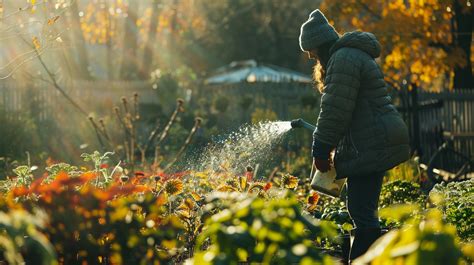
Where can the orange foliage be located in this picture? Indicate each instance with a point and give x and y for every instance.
(416, 35)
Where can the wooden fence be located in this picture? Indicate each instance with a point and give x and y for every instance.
(431, 116)
(15, 97)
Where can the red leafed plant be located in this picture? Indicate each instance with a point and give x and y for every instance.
(120, 224)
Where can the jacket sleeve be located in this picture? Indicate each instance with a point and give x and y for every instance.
(338, 101)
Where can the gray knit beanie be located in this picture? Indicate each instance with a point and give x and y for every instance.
(316, 31)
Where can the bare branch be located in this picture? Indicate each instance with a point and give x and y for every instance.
(197, 124)
(173, 117)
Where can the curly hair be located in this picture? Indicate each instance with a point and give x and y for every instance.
(319, 69)
(319, 73)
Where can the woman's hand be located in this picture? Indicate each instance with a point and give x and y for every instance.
(322, 165)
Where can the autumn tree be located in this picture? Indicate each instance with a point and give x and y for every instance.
(129, 65)
(148, 53)
(264, 30)
(423, 41)
(79, 42)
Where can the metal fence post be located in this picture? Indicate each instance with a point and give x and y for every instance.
(416, 120)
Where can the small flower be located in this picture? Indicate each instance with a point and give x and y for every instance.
(174, 186)
(288, 181)
(139, 174)
(267, 186)
(124, 178)
(313, 198)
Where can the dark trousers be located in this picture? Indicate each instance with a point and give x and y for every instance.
(363, 199)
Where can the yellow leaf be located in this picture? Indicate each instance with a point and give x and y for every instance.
(195, 196)
(187, 205)
(201, 174)
(190, 203)
(243, 183)
(52, 20)
(183, 214)
(36, 43)
(312, 207)
(226, 188)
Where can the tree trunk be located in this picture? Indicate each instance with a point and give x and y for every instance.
(150, 44)
(80, 43)
(129, 69)
(462, 39)
(172, 34)
(108, 42)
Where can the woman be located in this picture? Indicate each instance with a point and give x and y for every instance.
(357, 119)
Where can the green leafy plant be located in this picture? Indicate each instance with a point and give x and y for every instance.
(21, 239)
(456, 200)
(420, 241)
(407, 171)
(335, 210)
(99, 160)
(399, 192)
(24, 175)
(56, 168)
(242, 228)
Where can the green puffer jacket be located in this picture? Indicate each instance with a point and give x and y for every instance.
(357, 116)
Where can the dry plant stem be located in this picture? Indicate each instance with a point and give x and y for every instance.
(132, 148)
(128, 129)
(127, 153)
(197, 124)
(103, 129)
(130, 125)
(125, 105)
(100, 131)
(125, 129)
(134, 142)
(142, 153)
(171, 121)
(121, 120)
(97, 133)
(155, 159)
(135, 106)
(152, 136)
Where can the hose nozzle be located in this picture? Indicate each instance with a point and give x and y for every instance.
(300, 123)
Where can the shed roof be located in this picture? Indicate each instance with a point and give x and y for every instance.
(249, 71)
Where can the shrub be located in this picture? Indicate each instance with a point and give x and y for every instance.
(425, 241)
(263, 115)
(120, 223)
(400, 192)
(240, 228)
(21, 240)
(456, 200)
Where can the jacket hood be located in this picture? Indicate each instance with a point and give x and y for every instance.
(364, 41)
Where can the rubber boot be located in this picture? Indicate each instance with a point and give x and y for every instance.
(345, 240)
(363, 239)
